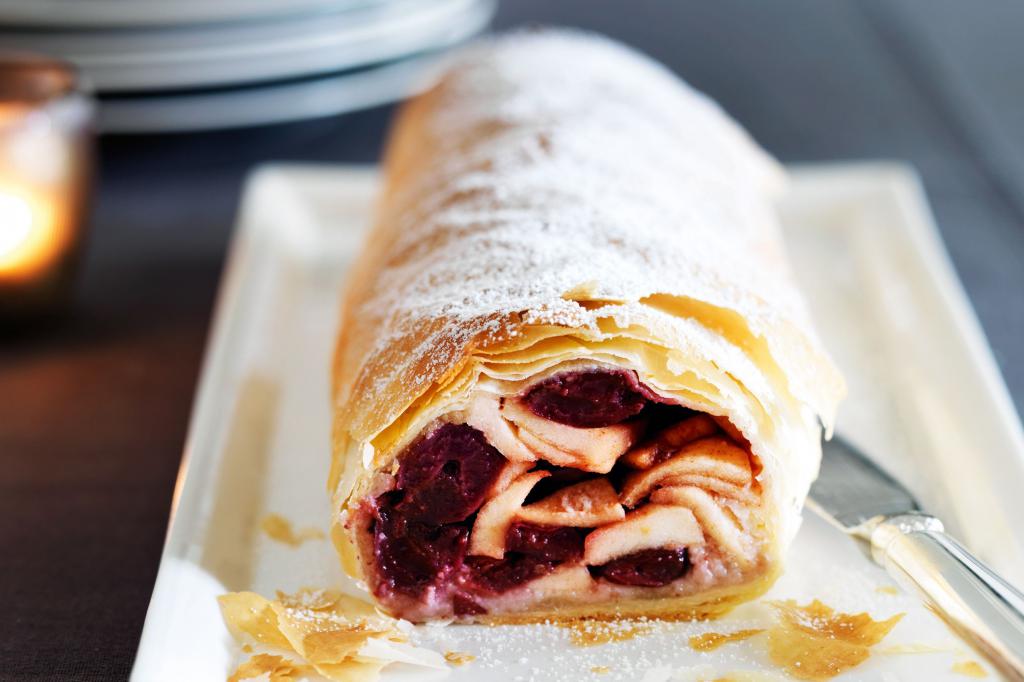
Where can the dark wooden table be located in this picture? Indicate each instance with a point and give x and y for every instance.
(93, 413)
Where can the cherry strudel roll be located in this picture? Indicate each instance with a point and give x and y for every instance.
(574, 377)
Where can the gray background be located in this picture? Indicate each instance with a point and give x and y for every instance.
(93, 412)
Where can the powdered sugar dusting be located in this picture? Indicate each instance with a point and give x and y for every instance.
(555, 162)
(605, 170)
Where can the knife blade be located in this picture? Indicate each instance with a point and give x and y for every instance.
(858, 497)
(852, 490)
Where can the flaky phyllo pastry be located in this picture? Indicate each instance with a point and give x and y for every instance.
(574, 377)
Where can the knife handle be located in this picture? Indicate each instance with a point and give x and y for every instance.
(977, 604)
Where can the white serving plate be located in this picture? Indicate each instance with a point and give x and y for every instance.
(188, 57)
(273, 103)
(107, 13)
(924, 394)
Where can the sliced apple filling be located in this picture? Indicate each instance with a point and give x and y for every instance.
(587, 449)
(588, 504)
(495, 518)
(712, 458)
(654, 526)
(506, 505)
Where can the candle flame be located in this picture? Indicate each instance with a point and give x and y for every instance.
(30, 236)
(15, 224)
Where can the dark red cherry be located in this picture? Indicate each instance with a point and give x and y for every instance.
(465, 606)
(446, 475)
(548, 543)
(412, 556)
(649, 568)
(587, 399)
(499, 575)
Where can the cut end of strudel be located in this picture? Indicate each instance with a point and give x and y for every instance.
(574, 377)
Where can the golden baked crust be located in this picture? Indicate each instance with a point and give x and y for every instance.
(558, 200)
(707, 605)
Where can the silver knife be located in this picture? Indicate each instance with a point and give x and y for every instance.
(868, 504)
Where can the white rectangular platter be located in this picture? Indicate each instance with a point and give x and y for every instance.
(925, 398)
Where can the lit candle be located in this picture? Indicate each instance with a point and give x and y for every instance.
(28, 235)
(45, 167)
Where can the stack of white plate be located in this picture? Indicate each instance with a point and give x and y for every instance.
(162, 65)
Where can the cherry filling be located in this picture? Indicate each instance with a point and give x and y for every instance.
(547, 543)
(421, 528)
(495, 576)
(532, 551)
(419, 537)
(412, 556)
(465, 606)
(587, 399)
(446, 475)
(649, 568)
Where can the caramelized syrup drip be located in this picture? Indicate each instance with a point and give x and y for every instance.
(594, 632)
(913, 648)
(278, 528)
(713, 640)
(969, 669)
(813, 642)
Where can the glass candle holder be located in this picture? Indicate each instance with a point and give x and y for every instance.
(46, 149)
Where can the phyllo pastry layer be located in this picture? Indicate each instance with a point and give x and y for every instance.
(573, 378)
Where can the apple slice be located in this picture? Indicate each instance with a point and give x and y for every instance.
(484, 415)
(548, 453)
(508, 474)
(589, 449)
(722, 527)
(712, 457)
(670, 440)
(746, 495)
(653, 527)
(568, 579)
(584, 505)
(497, 514)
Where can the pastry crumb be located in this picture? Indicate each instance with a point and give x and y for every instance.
(275, 668)
(458, 657)
(813, 642)
(600, 669)
(338, 636)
